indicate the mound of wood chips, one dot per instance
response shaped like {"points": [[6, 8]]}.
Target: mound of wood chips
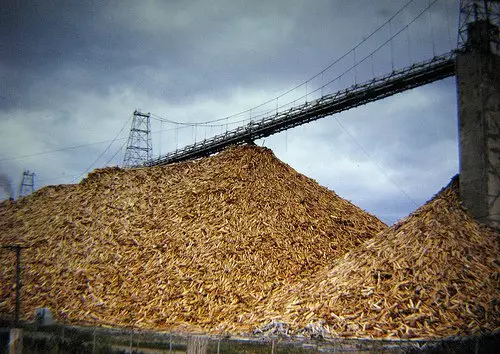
{"points": [[194, 246], [434, 274]]}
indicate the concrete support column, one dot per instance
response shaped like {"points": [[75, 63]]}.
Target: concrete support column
{"points": [[478, 84]]}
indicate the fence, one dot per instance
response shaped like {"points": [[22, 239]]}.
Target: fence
{"points": [[105, 338], [61, 338]]}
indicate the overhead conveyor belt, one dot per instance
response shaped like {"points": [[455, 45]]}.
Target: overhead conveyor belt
{"points": [[419, 74]]}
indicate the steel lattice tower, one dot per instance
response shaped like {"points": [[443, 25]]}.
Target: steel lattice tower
{"points": [[484, 15], [139, 146], [27, 184]]}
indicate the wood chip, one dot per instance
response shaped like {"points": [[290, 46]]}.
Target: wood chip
{"points": [[434, 274], [195, 246]]}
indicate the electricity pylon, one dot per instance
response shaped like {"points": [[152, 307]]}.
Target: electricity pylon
{"points": [[139, 146], [27, 184]]}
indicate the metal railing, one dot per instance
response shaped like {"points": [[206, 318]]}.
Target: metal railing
{"points": [[410, 77]]}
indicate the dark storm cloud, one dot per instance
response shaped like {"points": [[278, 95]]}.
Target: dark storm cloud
{"points": [[39, 38], [174, 50], [58, 46], [73, 72]]}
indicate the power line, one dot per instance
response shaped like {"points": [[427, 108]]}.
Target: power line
{"points": [[81, 146], [301, 84], [186, 125], [430, 4], [205, 123], [79, 174], [56, 150], [375, 162], [116, 153], [359, 62], [109, 160], [85, 145], [105, 150], [377, 49], [392, 36], [56, 178], [194, 125], [447, 12]]}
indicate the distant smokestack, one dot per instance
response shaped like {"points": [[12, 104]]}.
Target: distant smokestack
{"points": [[6, 185]]}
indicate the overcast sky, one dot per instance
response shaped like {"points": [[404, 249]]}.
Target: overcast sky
{"points": [[73, 72]]}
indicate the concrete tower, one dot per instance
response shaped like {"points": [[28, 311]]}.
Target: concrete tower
{"points": [[478, 85]]}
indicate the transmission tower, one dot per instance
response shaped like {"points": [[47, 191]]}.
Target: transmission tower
{"points": [[139, 147], [27, 184], [479, 16]]}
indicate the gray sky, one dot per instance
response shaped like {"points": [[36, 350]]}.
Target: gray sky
{"points": [[73, 72]]}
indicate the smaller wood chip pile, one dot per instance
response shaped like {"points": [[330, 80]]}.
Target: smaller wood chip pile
{"points": [[194, 246], [434, 274]]}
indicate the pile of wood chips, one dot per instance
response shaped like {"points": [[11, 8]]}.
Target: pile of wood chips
{"points": [[434, 274], [195, 246]]}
